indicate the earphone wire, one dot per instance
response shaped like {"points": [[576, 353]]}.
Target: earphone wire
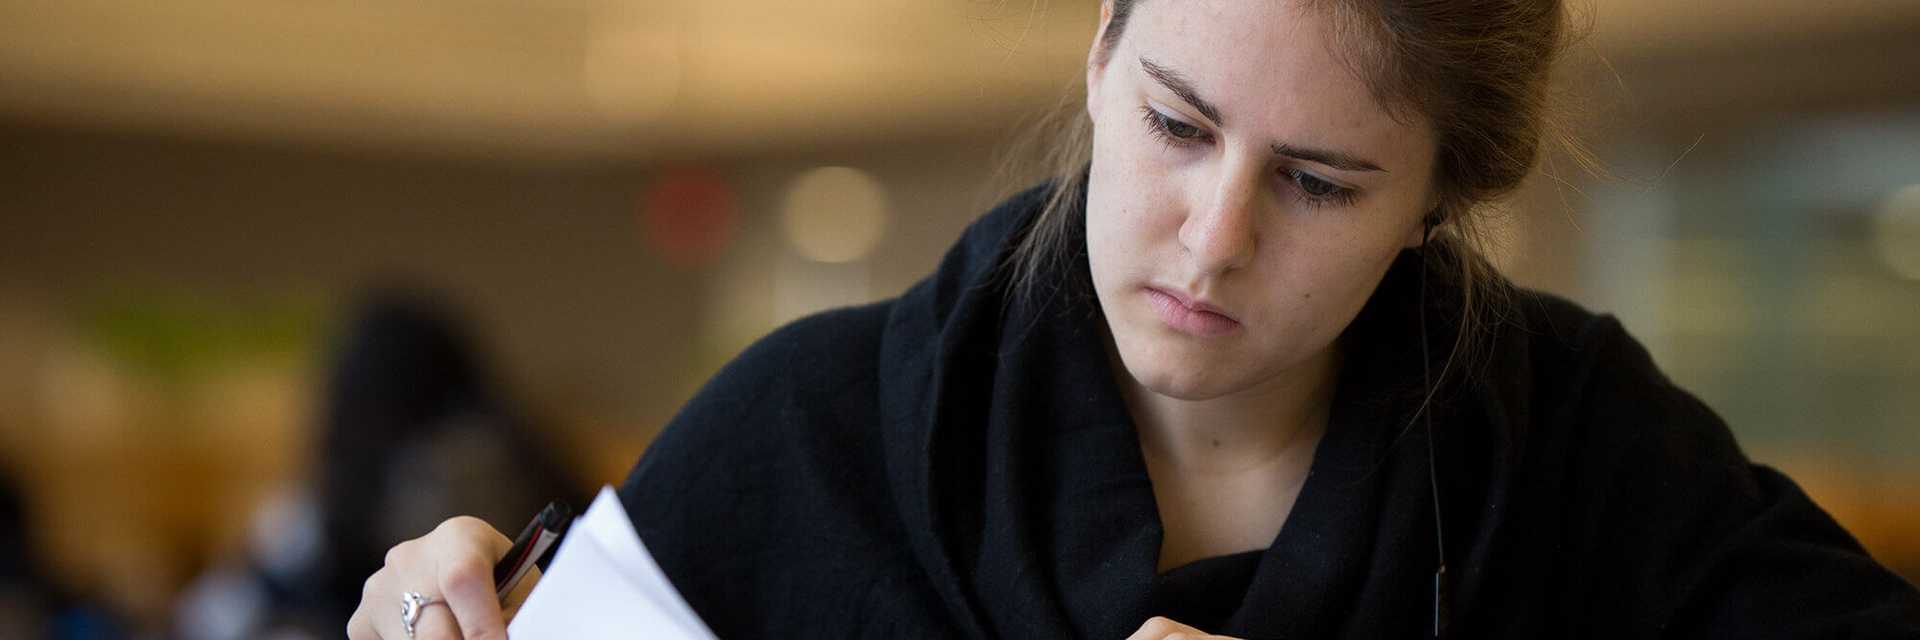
{"points": [[1440, 612]]}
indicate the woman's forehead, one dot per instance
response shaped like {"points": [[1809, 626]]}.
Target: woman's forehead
{"points": [[1266, 66]]}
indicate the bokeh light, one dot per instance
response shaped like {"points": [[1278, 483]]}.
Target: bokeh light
{"points": [[835, 214], [690, 216]]}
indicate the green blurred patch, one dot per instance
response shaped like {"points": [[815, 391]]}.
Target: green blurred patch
{"points": [[179, 336]]}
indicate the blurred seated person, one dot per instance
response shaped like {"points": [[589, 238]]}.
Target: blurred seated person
{"points": [[413, 430]]}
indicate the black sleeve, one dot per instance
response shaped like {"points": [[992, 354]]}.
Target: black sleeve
{"points": [[1707, 544], [763, 500], [1787, 570]]}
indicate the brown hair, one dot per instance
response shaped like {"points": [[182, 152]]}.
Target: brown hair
{"points": [[1476, 70]]}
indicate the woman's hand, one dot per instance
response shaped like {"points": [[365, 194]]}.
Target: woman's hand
{"points": [[1158, 628], [453, 566]]}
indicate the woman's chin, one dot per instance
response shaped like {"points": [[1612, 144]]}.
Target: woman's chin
{"points": [[1172, 369], [1184, 384]]}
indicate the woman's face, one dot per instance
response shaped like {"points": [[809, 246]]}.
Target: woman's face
{"points": [[1247, 193]]}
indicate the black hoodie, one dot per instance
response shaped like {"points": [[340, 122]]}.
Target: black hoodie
{"points": [[957, 462]]}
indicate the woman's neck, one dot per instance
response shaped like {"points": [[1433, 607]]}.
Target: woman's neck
{"points": [[1276, 422]]}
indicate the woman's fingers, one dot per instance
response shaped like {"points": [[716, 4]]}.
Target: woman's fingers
{"points": [[360, 627], [365, 625], [468, 588], [466, 577], [453, 566], [375, 622], [435, 623], [1159, 628]]}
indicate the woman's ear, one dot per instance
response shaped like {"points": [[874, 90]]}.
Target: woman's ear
{"points": [[1424, 229], [1097, 56]]}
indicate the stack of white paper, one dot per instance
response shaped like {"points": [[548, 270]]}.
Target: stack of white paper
{"points": [[604, 584]]}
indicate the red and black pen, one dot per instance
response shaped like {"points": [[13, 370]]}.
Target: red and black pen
{"points": [[533, 543]]}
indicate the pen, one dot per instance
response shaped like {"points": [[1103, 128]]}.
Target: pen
{"points": [[532, 543]]}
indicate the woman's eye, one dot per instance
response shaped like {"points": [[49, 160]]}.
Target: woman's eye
{"points": [[1316, 191], [1179, 129], [1314, 186], [1171, 129]]}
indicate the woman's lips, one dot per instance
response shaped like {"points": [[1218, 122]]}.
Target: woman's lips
{"points": [[1193, 319]]}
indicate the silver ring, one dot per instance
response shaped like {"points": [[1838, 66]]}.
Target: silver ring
{"points": [[411, 604]]}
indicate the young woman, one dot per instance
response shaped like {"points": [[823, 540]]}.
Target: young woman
{"points": [[1236, 370]]}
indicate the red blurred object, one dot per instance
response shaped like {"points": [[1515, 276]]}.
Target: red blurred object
{"points": [[689, 216]]}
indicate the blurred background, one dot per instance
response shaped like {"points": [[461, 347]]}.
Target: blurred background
{"points": [[261, 258]]}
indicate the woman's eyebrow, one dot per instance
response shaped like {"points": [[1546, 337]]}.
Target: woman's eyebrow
{"points": [[1179, 85], [1329, 157]]}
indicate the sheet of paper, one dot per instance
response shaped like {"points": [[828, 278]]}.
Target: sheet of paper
{"points": [[603, 583]]}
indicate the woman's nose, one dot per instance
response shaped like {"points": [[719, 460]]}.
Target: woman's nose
{"points": [[1219, 233]]}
